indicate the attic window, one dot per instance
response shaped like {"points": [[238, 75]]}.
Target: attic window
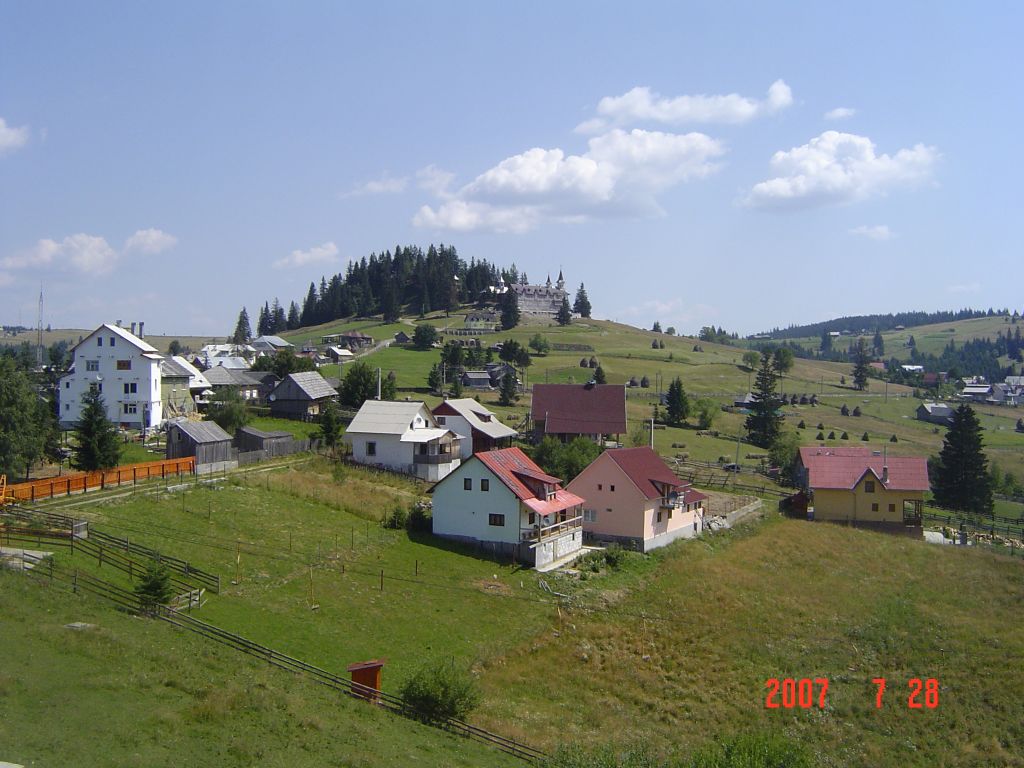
{"points": [[99, 341], [869, 486]]}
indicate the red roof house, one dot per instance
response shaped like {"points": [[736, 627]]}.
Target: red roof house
{"points": [[504, 502], [863, 487], [572, 410], [634, 498]]}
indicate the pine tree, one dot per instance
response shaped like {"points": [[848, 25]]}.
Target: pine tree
{"points": [[278, 320], [764, 424], [509, 310], [860, 365], [308, 316], [878, 343], [95, 435], [154, 588], [507, 394], [434, 378], [456, 388], [243, 331], [330, 426], [564, 316], [599, 377], [961, 480], [677, 404], [582, 304], [826, 342], [293, 316], [263, 323]]}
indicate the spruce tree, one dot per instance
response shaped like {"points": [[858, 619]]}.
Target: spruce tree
{"points": [[677, 404], [878, 343], [599, 377], [961, 480], [510, 314], [764, 424], [582, 304], [154, 588], [507, 394], [564, 316], [243, 331], [330, 426], [434, 378], [263, 323], [860, 365], [95, 435], [293, 316]]}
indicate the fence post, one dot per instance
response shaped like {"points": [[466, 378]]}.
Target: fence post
{"points": [[381, 579]]}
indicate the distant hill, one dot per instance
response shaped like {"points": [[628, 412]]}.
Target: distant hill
{"points": [[871, 323]]}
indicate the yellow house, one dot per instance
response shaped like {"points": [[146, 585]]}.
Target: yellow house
{"points": [[865, 489]]}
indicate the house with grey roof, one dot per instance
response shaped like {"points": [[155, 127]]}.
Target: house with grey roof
{"points": [[268, 345], [175, 389], [478, 428], [205, 440], [935, 413], [403, 437], [300, 396]]}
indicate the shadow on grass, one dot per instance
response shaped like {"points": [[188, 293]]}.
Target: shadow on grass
{"points": [[478, 551]]}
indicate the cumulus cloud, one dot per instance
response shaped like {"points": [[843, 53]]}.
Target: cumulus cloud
{"points": [[435, 180], [642, 105], [87, 253], [12, 138], [385, 185], [840, 113], [839, 168], [876, 232], [149, 241], [320, 254], [672, 312], [620, 174]]}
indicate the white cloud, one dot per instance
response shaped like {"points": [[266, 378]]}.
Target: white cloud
{"points": [[149, 241], [87, 253], [435, 180], [620, 173], [320, 254], [838, 168], [12, 138], [840, 113], [641, 105], [876, 232], [972, 287], [385, 185], [6, 278], [675, 312]]}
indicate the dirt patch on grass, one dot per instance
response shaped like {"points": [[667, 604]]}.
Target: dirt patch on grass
{"points": [[491, 587]]}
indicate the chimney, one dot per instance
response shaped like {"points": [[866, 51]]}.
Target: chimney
{"points": [[885, 474], [133, 327], [142, 331], [118, 323]]}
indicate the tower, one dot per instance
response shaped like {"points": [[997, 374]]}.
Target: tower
{"points": [[39, 330], [560, 285]]}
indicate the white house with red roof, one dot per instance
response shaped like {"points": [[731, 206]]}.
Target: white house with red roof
{"points": [[864, 488], [632, 497], [502, 499]]}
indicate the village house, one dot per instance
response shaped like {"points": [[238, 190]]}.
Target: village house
{"points": [[271, 345], [355, 340], [632, 497], [251, 386], [404, 437], [226, 354], [205, 440], [864, 488], [478, 429], [175, 389], [476, 380], [503, 500], [935, 413], [403, 338], [566, 411], [123, 368], [300, 396]]}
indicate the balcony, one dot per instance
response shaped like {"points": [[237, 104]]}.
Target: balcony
{"points": [[550, 531], [433, 458]]}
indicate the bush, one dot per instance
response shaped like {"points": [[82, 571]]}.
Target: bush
{"points": [[845, 411], [397, 519], [865, 437], [801, 425], [614, 556], [419, 518], [820, 426], [440, 690], [155, 587], [893, 439], [856, 411]]}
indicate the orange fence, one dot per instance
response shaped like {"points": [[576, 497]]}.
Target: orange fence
{"points": [[83, 482]]}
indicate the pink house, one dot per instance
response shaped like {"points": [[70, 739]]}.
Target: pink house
{"points": [[632, 497]]}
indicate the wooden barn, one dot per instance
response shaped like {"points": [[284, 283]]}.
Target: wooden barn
{"points": [[249, 439], [300, 396], [205, 440]]}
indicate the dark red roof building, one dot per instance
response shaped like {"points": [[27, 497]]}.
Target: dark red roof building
{"points": [[573, 410]]}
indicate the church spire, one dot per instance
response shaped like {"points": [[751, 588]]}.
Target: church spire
{"points": [[560, 285]]}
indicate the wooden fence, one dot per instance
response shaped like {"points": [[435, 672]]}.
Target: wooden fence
{"points": [[82, 482], [130, 602]]}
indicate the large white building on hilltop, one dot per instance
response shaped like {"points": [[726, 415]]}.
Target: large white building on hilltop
{"points": [[126, 371], [541, 299]]}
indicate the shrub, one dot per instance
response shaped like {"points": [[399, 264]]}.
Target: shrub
{"points": [[845, 410], [801, 425], [820, 426], [856, 411], [893, 439], [440, 690], [614, 556], [397, 519], [154, 588], [419, 518]]}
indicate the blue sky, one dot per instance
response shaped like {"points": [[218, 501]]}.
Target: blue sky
{"points": [[748, 165]]}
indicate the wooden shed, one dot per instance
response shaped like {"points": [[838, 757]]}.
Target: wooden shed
{"points": [[248, 439], [205, 440], [367, 677], [300, 396]]}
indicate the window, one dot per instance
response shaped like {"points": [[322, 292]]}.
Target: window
{"points": [[531, 518], [96, 386], [371, 448], [874, 507], [131, 408], [892, 507], [589, 515], [869, 486], [124, 365], [659, 515], [485, 485], [467, 484], [130, 388], [67, 385], [440, 421], [493, 519], [92, 365], [111, 341], [99, 341], [67, 406], [600, 487], [611, 488]]}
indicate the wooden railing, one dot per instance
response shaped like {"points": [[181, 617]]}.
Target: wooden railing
{"points": [[539, 534], [82, 482]]}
